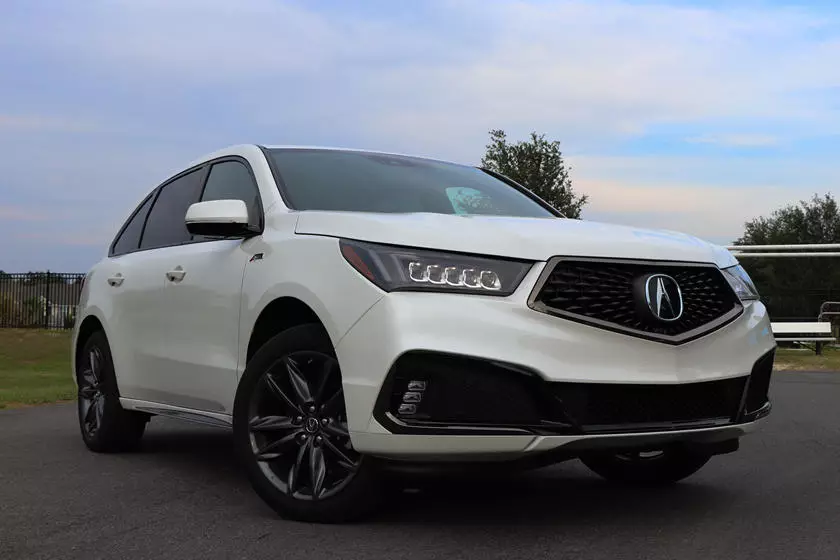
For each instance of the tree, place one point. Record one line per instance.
(538, 165)
(795, 287)
(44, 278)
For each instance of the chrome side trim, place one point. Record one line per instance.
(180, 413)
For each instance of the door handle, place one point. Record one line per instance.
(116, 280)
(176, 275)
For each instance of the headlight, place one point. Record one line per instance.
(399, 268)
(741, 282)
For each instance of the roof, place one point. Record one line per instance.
(340, 149)
(244, 148)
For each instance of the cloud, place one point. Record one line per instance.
(578, 68)
(100, 239)
(113, 95)
(706, 211)
(737, 140)
(44, 123)
(589, 77)
(18, 214)
(796, 174)
(703, 196)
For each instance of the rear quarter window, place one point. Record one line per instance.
(129, 238)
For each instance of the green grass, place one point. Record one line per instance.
(34, 367)
(793, 359)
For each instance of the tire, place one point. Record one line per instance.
(290, 432)
(666, 467)
(105, 425)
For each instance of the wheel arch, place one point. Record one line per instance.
(90, 324)
(280, 314)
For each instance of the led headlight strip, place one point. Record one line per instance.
(400, 268)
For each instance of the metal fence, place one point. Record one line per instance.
(46, 300)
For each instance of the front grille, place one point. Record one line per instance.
(602, 407)
(602, 293)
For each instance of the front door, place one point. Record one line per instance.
(202, 301)
(144, 313)
(202, 298)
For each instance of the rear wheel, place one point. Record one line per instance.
(290, 428)
(105, 425)
(663, 466)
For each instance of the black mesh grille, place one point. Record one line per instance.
(604, 291)
(605, 407)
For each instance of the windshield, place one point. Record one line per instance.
(323, 179)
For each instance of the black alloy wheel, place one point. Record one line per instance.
(105, 425)
(91, 396)
(646, 467)
(298, 427)
(291, 432)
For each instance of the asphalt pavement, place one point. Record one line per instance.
(183, 496)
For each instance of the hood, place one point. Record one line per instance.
(536, 239)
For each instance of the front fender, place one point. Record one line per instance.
(312, 270)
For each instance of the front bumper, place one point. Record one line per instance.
(466, 448)
(553, 350)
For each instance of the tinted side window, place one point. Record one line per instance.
(129, 239)
(231, 180)
(165, 225)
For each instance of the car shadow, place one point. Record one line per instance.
(193, 450)
(565, 494)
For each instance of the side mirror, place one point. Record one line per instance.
(222, 218)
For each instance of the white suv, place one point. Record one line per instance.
(350, 312)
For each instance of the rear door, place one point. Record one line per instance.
(203, 298)
(124, 278)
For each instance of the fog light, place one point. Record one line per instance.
(407, 409)
(412, 397)
(416, 385)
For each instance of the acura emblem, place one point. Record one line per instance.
(663, 297)
(311, 425)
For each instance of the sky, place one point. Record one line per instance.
(684, 115)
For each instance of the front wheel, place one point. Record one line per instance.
(290, 430)
(664, 466)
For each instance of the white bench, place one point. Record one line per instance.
(817, 332)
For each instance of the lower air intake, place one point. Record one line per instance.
(603, 407)
(438, 388)
(758, 392)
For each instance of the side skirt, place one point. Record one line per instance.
(179, 412)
